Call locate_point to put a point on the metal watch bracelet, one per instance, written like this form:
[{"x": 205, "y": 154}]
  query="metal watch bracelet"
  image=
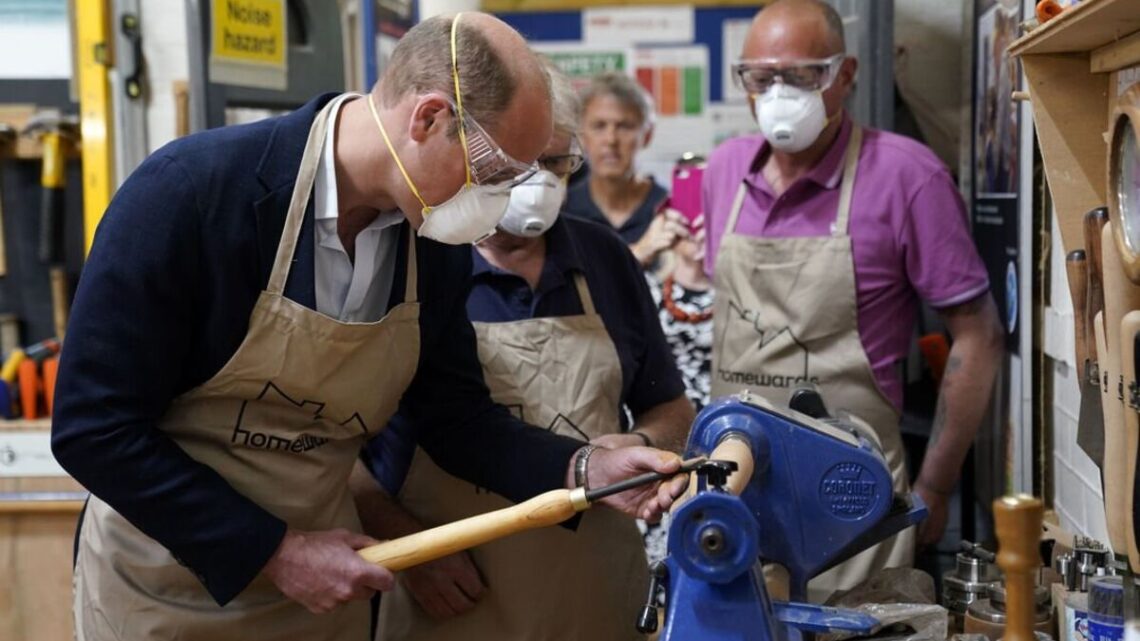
[{"x": 581, "y": 460}]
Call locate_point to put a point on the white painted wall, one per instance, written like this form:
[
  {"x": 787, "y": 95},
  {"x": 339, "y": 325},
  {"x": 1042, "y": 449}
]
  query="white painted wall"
[
  {"x": 929, "y": 35},
  {"x": 167, "y": 60}
]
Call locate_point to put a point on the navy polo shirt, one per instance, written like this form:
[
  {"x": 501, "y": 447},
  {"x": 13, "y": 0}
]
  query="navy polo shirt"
[
  {"x": 580, "y": 204},
  {"x": 620, "y": 294}
]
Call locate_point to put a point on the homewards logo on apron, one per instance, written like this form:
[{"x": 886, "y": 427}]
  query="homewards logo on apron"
[
  {"x": 785, "y": 359},
  {"x": 265, "y": 410},
  {"x": 560, "y": 424}
]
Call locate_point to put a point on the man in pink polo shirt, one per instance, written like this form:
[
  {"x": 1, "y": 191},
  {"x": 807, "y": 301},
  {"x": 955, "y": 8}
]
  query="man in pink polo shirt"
[{"x": 823, "y": 236}]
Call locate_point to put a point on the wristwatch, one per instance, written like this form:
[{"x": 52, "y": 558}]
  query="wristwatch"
[{"x": 581, "y": 460}]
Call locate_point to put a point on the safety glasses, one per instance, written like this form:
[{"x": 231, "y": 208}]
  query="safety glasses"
[
  {"x": 757, "y": 76},
  {"x": 565, "y": 164},
  {"x": 490, "y": 165},
  {"x": 487, "y": 164}
]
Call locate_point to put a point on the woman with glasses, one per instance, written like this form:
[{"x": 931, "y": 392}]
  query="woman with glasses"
[
  {"x": 617, "y": 123},
  {"x": 569, "y": 341}
]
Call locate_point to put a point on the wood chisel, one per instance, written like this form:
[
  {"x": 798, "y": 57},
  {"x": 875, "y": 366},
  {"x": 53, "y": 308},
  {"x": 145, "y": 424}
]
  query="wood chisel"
[
  {"x": 1129, "y": 342},
  {"x": 1090, "y": 423},
  {"x": 1076, "y": 268},
  {"x": 544, "y": 510},
  {"x": 1120, "y": 297}
]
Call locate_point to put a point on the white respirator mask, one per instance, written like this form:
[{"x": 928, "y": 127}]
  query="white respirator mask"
[
  {"x": 534, "y": 205},
  {"x": 467, "y": 217},
  {"x": 791, "y": 119}
]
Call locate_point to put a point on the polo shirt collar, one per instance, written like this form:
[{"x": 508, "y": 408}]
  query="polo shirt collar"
[
  {"x": 827, "y": 172},
  {"x": 561, "y": 258}
]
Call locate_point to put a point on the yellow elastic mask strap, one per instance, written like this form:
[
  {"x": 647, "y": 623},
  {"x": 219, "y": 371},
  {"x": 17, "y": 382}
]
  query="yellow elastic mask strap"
[
  {"x": 458, "y": 96},
  {"x": 396, "y": 157}
]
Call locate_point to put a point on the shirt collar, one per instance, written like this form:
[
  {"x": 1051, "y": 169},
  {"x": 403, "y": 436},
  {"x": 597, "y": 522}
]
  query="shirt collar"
[
  {"x": 561, "y": 255},
  {"x": 826, "y": 173},
  {"x": 325, "y": 204}
]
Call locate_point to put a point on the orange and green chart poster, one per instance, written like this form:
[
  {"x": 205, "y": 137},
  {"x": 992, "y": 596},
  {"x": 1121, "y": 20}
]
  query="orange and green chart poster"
[{"x": 678, "y": 79}]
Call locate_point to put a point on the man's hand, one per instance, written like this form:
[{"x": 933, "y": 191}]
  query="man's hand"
[
  {"x": 647, "y": 502},
  {"x": 445, "y": 587},
  {"x": 938, "y": 505},
  {"x": 321, "y": 570},
  {"x": 667, "y": 228}
]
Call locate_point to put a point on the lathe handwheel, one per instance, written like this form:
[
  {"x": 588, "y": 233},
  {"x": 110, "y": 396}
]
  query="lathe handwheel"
[{"x": 713, "y": 537}]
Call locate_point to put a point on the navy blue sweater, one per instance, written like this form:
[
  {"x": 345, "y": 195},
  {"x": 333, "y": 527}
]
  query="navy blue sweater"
[{"x": 178, "y": 262}]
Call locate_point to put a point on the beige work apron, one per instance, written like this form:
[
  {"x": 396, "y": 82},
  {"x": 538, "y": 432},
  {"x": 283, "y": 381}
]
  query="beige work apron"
[
  {"x": 560, "y": 374},
  {"x": 785, "y": 315},
  {"x": 282, "y": 422}
]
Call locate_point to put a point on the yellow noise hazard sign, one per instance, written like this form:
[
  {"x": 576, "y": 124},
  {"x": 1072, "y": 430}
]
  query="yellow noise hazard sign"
[{"x": 251, "y": 31}]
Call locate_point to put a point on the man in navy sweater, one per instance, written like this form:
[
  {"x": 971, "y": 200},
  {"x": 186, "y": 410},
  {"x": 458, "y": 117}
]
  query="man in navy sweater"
[{"x": 234, "y": 342}]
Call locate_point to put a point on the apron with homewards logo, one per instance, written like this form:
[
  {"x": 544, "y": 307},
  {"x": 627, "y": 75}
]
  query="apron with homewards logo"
[
  {"x": 282, "y": 422},
  {"x": 785, "y": 316},
  {"x": 560, "y": 374}
]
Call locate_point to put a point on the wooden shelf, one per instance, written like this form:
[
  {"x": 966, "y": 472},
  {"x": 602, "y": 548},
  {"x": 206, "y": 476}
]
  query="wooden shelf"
[{"x": 1088, "y": 26}]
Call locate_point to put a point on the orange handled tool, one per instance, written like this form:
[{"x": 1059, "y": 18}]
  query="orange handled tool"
[
  {"x": 51, "y": 370},
  {"x": 28, "y": 376}
]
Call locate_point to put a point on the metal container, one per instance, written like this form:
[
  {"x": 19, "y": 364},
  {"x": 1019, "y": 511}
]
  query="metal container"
[
  {"x": 965, "y": 584},
  {"x": 987, "y": 616}
]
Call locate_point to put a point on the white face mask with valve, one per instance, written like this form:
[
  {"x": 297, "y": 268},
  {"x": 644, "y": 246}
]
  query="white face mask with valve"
[
  {"x": 791, "y": 119},
  {"x": 534, "y": 205}
]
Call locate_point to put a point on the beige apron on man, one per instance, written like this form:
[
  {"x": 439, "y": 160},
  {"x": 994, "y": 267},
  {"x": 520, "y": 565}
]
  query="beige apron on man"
[
  {"x": 785, "y": 316},
  {"x": 563, "y": 374},
  {"x": 283, "y": 423}
]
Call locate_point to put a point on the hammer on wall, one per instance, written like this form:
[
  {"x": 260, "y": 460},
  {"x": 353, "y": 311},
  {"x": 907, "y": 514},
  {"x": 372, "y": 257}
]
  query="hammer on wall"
[
  {"x": 56, "y": 134},
  {"x": 7, "y": 144}
]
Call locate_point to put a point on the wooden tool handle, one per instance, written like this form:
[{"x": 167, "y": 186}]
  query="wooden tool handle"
[
  {"x": 1076, "y": 266},
  {"x": 544, "y": 510},
  {"x": 1113, "y": 467},
  {"x": 1129, "y": 332},
  {"x": 1120, "y": 297},
  {"x": 1018, "y": 525},
  {"x": 1095, "y": 222}
]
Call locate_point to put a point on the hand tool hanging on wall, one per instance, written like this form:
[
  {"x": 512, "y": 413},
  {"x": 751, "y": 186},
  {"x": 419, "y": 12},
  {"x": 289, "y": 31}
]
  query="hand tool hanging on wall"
[
  {"x": 1120, "y": 297},
  {"x": 7, "y": 141},
  {"x": 1129, "y": 342},
  {"x": 549, "y": 508},
  {"x": 1077, "y": 270},
  {"x": 56, "y": 134},
  {"x": 1090, "y": 423}
]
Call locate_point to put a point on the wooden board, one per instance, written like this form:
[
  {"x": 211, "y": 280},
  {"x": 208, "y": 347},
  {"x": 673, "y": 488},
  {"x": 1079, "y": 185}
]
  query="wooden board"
[
  {"x": 1070, "y": 108},
  {"x": 1118, "y": 55},
  {"x": 1129, "y": 330},
  {"x": 1084, "y": 27},
  {"x": 36, "y": 543}
]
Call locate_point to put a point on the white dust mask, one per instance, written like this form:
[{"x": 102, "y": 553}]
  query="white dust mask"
[
  {"x": 534, "y": 205},
  {"x": 791, "y": 119},
  {"x": 467, "y": 217}
]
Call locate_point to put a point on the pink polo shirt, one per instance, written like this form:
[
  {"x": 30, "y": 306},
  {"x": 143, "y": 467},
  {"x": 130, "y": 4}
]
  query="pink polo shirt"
[{"x": 908, "y": 227}]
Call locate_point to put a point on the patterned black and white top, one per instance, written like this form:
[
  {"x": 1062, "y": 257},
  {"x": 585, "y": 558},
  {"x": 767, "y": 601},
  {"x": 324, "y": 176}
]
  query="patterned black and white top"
[{"x": 691, "y": 343}]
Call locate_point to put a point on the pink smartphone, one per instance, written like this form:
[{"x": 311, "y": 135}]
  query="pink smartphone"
[{"x": 686, "y": 194}]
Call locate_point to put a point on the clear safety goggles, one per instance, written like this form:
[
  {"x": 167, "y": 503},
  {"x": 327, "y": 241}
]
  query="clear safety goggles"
[
  {"x": 565, "y": 164},
  {"x": 490, "y": 165},
  {"x": 757, "y": 76}
]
